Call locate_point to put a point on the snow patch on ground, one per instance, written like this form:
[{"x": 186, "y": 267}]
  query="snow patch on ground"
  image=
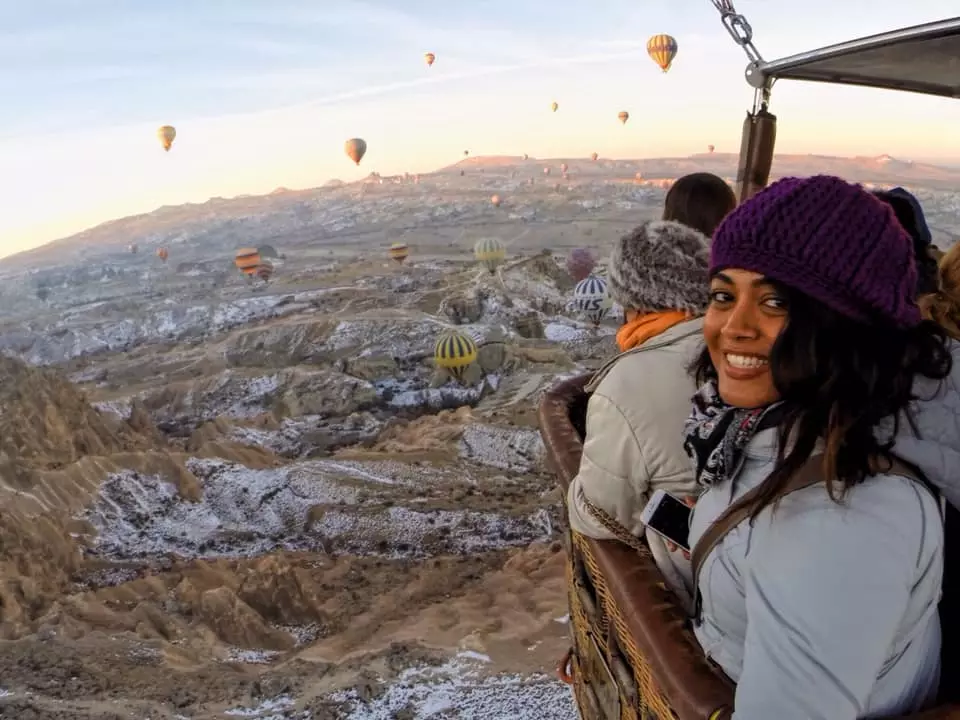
[
  {"x": 251, "y": 657},
  {"x": 459, "y": 689},
  {"x": 504, "y": 448},
  {"x": 246, "y": 512}
]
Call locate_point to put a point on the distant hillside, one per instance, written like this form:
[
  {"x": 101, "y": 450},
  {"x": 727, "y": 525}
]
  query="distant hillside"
[{"x": 193, "y": 219}]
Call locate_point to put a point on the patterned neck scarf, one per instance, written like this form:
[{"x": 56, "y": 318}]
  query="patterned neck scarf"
[{"x": 716, "y": 434}]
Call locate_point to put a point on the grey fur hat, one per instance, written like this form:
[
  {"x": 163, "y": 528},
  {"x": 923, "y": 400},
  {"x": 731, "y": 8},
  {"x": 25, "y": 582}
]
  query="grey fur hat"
[{"x": 661, "y": 265}]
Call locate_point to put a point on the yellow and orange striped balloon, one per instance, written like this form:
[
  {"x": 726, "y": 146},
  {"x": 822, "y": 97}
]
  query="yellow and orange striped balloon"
[
  {"x": 247, "y": 261},
  {"x": 662, "y": 49},
  {"x": 399, "y": 252}
]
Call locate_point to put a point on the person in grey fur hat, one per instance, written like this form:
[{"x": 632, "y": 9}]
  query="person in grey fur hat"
[
  {"x": 661, "y": 265},
  {"x": 641, "y": 398}
]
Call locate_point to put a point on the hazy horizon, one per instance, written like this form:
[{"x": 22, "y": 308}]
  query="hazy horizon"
[{"x": 263, "y": 97}]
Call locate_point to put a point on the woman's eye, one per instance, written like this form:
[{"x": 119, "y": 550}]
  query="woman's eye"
[
  {"x": 777, "y": 303},
  {"x": 720, "y": 296}
]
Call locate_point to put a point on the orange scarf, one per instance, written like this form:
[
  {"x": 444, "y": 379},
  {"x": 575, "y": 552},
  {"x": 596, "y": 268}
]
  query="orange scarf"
[{"x": 643, "y": 327}]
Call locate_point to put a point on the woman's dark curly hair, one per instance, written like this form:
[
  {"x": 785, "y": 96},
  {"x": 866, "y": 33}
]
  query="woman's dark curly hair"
[{"x": 838, "y": 378}]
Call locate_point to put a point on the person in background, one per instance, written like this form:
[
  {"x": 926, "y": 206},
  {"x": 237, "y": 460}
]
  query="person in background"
[
  {"x": 640, "y": 398},
  {"x": 942, "y": 304},
  {"x": 821, "y": 602},
  {"x": 699, "y": 200},
  {"x": 910, "y": 215}
]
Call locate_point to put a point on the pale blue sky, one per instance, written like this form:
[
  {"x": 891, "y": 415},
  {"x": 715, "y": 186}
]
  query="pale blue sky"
[{"x": 264, "y": 93}]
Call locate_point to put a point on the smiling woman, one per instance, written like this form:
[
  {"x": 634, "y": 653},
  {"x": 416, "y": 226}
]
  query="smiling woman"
[{"x": 814, "y": 346}]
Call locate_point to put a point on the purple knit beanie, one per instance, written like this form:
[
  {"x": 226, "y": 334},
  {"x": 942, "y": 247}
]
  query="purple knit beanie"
[{"x": 827, "y": 239}]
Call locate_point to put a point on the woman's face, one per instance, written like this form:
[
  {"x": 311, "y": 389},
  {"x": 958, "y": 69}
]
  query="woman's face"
[{"x": 744, "y": 318}]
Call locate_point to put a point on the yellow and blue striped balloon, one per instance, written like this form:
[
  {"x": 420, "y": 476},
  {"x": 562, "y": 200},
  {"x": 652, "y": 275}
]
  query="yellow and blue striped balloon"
[
  {"x": 455, "y": 352},
  {"x": 490, "y": 253}
]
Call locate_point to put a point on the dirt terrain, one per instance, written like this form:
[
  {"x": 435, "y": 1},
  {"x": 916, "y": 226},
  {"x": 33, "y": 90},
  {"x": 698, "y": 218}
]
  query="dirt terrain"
[{"x": 298, "y": 516}]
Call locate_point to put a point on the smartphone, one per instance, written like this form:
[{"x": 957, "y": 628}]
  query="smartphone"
[{"x": 668, "y": 517}]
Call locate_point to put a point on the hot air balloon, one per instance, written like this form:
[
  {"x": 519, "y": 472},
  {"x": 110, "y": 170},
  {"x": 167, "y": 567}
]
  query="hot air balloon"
[
  {"x": 546, "y": 171},
  {"x": 166, "y": 134},
  {"x": 247, "y": 261},
  {"x": 563, "y": 167},
  {"x": 430, "y": 58},
  {"x": 623, "y": 115},
  {"x": 132, "y": 247},
  {"x": 455, "y": 352},
  {"x": 591, "y": 299},
  {"x": 398, "y": 251},
  {"x": 594, "y": 157},
  {"x": 355, "y": 149},
  {"x": 264, "y": 271},
  {"x": 710, "y": 148},
  {"x": 580, "y": 263},
  {"x": 495, "y": 200},
  {"x": 461, "y": 173},
  {"x": 162, "y": 254},
  {"x": 662, "y": 49},
  {"x": 554, "y": 106},
  {"x": 466, "y": 153},
  {"x": 526, "y": 157},
  {"x": 490, "y": 253}
]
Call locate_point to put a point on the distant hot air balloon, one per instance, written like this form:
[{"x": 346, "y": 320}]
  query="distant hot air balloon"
[
  {"x": 455, "y": 352},
  {"x": 495, "y": 200},
  {"x": 662, "y": 49},
  {"x": 132, "y": 247},
  {"x": 591, "y": 299},
  {"x": 580, "y": 263},
  {"x": 546, "y": 171},
  {"x": 264, "y": 271},
  {"x": 623, "y": 115},
  {"x": 710, "y": 148},
  {"x": 490, "y": 253},
  {"x": 554, "y": 106},
  {"x": 563, "y": 167},
  {"x": 594, "y": 157},
  {"x": 247, "y": 261},
  {"x": 430, "y": 58},
  {"x": 355, "y": 149},
  {"x": 162, "y": 254},
  {"x": 398, "y": 251},
  {"x": 466, "y": 153},
  {"x": 166, "y": 134},
  {"x": 526, "y": 157}
]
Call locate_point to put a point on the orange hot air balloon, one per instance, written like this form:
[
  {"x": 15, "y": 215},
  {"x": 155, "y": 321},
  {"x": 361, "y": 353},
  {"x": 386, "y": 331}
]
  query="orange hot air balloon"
[
  {"x": 554, "y": 106},
  {"x": 495, "y": 200},
  {"x": 662, "y": 49},
  {"x": 399, "y": 252},
  {"x": 623, "y": 115},
  {"x": 162, "y": 254},
  {"x": 355, "y": 148},
  {"x": 594, "y": 157},
  {"x": 166, "y": 135},
  {"x": 430, "y": 58},
  {"x": 247, "y": 261},
  {"x": 710, "y": 148}
]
